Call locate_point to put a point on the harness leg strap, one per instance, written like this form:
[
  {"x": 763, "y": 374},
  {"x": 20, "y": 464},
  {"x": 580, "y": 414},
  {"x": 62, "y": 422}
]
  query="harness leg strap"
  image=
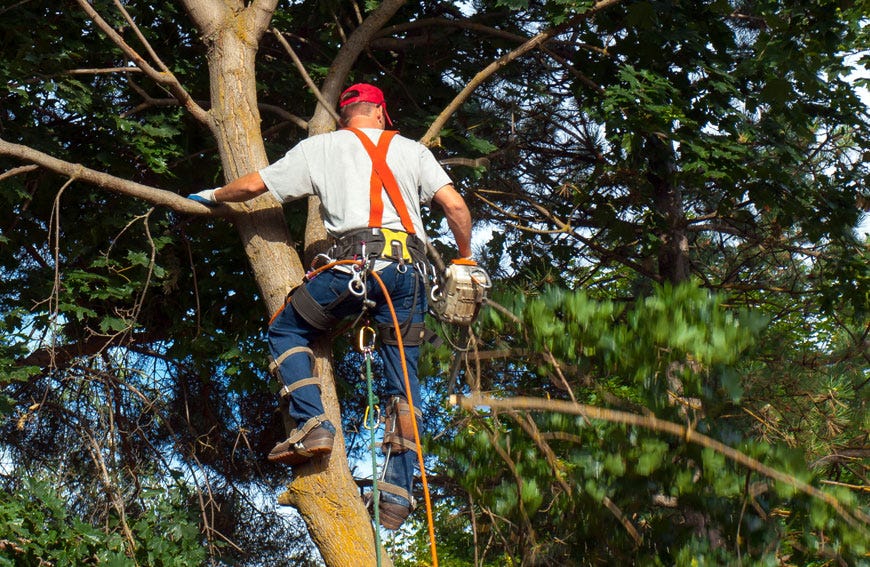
[
  {"x": 275, "y": 370},
  {"x": 318, "y": 316},
  {"x": 275, "y": 364},
  {"x": 399, "y": 427},
  {"x": 413, "y": 334},
  {"x": 397, "y": 491}
]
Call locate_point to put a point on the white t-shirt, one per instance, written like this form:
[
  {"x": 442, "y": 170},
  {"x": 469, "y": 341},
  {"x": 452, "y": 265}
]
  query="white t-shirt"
[{"x": 337, "y": 168}]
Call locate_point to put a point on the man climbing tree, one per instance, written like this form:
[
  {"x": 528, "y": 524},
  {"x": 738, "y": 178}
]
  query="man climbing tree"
[{"x": 349, "y": 170}]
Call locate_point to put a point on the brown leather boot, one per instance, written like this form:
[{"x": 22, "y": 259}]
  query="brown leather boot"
[{"x": 313, "y": 438}]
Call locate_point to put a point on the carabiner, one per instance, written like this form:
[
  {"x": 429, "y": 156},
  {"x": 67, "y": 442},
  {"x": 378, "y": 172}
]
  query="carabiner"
[
  {"x": 356, "y": 285},
  {"x": 376, "y": 420},
  {"x": 366, "y": 332}
]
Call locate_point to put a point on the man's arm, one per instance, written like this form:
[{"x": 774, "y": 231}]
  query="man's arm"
[
  {"x": 458, "y": 217},
  {"x": 244, "y": 188}
]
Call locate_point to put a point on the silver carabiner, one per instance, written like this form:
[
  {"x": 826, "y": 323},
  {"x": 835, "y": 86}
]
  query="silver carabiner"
[{"x": 356, "y": 285}]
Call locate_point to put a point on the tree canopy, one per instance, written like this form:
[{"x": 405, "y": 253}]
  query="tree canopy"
[{"x": 672, "y": 367}]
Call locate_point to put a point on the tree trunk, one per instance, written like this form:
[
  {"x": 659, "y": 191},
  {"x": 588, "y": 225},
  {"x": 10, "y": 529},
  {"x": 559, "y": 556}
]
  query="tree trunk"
[
  {"x": 673, "y": 258},
  {"x": 323, "y": 491}
]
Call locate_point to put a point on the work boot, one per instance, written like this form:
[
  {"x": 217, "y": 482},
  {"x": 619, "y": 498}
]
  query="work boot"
[
  {"x": 392, "y": 514},
  {"x": 394, "y": 505},
  {"x": 314, "y": 438}
]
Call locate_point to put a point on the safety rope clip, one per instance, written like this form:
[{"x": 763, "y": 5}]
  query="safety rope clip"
[
  {"x": 375, "y": 420},
  {"x": 366, "y": 346},
  {"x": 356, "y": 285}
]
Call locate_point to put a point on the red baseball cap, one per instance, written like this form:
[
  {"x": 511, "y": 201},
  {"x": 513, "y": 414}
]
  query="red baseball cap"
[{"x": 364, "y": 92}]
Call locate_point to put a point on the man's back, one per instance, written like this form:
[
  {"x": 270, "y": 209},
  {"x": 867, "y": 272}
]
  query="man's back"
[{"x": 337, "y": 168}]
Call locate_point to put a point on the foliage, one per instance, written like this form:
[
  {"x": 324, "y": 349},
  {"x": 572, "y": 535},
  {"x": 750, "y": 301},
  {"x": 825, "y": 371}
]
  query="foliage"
[
  {"x": 581, "y": 482},
  {"x": 651, "y": 144},
  {"x": 38, "y": 528}
]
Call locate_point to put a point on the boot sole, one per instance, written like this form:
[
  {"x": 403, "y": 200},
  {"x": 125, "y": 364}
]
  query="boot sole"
[{"x": 294, "y": 458}]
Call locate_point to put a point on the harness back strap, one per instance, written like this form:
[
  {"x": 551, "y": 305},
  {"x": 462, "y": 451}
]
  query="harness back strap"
[{"x": 383, "y": 178}]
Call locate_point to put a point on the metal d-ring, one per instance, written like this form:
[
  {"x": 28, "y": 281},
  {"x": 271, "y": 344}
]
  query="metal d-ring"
[{"x": 356, "y": 285}]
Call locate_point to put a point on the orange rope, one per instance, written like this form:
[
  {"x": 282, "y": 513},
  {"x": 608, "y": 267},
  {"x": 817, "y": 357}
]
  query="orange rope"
[
  {"x": 413, "y": 418},
  {"x": 310, "y": 275}
]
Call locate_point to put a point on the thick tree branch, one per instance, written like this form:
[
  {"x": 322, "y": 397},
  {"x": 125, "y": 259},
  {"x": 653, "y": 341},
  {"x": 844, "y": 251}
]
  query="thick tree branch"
[
  {"x": 346, "y": 57},
  {"x": 152, "y": 195}
]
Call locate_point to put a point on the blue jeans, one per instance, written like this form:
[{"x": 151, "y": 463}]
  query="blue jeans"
[{"x": 289, "y": 329}]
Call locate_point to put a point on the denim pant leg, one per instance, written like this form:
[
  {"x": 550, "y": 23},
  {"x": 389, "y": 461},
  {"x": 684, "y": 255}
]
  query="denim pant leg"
[
  {"x": 408, "y": 295},
  {"x": 287, "y": 331},
  {"x": 291, "y": 330}
]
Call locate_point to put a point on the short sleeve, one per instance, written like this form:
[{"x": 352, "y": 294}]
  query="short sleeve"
[
  {"x": 289, "y": 177},
  {"x": 432, "y": 175}
]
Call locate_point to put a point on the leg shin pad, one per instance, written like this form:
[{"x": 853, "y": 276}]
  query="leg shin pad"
[{"x": 399, "y": 429}]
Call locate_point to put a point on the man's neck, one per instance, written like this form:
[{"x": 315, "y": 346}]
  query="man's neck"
[{"x": 363, "y": 122}]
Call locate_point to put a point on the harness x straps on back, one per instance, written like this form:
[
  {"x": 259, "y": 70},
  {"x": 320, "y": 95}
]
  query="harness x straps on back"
[{"x": 383, "y": 179}]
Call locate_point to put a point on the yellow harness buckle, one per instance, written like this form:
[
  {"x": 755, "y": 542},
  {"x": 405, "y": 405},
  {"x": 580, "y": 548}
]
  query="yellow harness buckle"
[{"x": 395, "y": 245}]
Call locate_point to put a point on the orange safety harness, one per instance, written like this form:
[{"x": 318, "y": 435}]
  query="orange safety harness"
[{"x": 383, "y": 180}]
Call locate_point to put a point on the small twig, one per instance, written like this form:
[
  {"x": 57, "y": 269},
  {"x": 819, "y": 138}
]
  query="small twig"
[
  {"x": 162, "y": 76},
  {"x": 305, "y": 76},
  {"x": 432, "y": 133},
  {"x": 858, "y": 487},
  {"x": 103, "y": 71},
  {"x": 117, "y": 501},
  {"x": 18, "y": 171}
]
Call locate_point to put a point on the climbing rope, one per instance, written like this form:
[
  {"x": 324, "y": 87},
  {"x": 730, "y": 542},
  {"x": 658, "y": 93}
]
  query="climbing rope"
[
  {"x": 367, "y": 347},
  {"x": 419, "y": 446}
]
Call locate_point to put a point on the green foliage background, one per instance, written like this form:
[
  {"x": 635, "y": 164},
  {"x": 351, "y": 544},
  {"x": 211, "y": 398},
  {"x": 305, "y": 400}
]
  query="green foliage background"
[{"x": 671, "y": 191}]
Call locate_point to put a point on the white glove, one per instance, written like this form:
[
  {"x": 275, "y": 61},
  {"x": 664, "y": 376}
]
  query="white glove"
[{"x": 205, "y": 197}]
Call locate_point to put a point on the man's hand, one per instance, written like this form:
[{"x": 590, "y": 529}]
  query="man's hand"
[{"x": 205, "y": 197}]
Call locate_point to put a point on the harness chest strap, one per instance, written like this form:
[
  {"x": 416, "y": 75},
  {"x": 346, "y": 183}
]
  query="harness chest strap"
[{"x": 383, "y": 178}]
